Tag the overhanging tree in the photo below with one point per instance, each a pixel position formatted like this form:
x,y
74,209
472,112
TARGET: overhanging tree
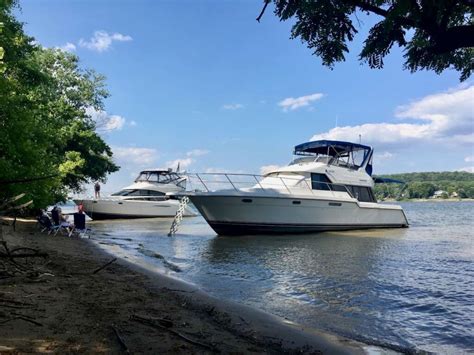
x,y
435,34
48,143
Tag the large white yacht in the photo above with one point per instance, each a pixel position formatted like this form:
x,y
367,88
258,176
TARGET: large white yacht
x,y
145,198
329,186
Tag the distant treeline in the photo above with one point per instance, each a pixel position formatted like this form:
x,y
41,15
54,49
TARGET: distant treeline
x,y
457,184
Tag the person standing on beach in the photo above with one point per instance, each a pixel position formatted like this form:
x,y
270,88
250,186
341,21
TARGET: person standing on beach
x,y
97,190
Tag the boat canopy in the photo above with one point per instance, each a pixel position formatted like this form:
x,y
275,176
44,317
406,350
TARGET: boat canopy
x,y
331,148
157,170
346,154
382,180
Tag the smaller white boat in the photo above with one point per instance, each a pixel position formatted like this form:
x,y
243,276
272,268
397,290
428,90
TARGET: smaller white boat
x,y
145,198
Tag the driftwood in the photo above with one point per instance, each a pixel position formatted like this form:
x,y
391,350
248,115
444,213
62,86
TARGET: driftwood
x,y
104,266
6,300
120,340
162,321
8,205
176,290
23,318
24,255
19,260
151,322
11,200
11,306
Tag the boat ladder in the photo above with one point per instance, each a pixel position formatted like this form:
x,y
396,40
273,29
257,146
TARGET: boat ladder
x,y
183,203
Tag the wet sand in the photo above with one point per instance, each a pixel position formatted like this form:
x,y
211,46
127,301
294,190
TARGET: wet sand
x,y
62,306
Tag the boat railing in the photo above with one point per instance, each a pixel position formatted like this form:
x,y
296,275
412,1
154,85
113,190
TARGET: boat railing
x,y
209,182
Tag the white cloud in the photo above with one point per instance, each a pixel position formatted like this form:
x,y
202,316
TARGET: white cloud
x,y
232,106
197,152
114,122
102,41
445,118
376,133
469,159
268,168
133,123
183,163
104,121
468,169
68,47
292,103
190,158
448,113
380,158
135,157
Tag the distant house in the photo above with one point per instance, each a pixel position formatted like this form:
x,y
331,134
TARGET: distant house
x,y
439,194
454,195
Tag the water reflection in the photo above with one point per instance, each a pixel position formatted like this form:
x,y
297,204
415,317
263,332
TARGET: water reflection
x,y
409,287
326,272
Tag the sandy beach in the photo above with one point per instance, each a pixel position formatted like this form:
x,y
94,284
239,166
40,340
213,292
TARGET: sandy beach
x,y
61,305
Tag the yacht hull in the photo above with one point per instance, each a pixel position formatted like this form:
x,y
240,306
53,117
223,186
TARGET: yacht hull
x,y
239,215
128,209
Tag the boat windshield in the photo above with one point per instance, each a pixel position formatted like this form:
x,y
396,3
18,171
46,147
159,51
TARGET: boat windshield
x,y
311,159
162,177
351,160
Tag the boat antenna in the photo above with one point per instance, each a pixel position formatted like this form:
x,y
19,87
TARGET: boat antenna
x,y
177,168
360,138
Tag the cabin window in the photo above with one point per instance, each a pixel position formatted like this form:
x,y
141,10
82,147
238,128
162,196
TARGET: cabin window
x,y
362,193
340,188
163,198
319,182
138,193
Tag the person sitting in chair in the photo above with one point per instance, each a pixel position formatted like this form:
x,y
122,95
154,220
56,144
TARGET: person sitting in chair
x,y
79,227
59,220
55,216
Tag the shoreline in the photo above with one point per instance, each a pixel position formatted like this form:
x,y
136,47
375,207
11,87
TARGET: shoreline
x,y
430,200
78,311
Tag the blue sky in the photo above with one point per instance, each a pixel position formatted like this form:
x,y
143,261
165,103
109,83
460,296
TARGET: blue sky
x,y
202,82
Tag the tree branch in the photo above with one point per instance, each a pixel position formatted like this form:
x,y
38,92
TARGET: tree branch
x,y
371,8
21,181
469,3
382,12
453,38
263,10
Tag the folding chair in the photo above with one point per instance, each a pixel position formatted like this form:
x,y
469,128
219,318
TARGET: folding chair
x,y
47,225
80,228
57,224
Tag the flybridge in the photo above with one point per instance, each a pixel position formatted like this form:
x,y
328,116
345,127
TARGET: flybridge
x,y
346,154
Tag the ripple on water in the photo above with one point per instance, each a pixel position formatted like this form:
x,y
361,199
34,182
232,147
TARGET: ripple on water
x,y
409,288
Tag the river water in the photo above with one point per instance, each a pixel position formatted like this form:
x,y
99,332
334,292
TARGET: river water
x,y
410,289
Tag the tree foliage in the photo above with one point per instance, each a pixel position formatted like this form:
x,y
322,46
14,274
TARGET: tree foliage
x,y
435,34
44,128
